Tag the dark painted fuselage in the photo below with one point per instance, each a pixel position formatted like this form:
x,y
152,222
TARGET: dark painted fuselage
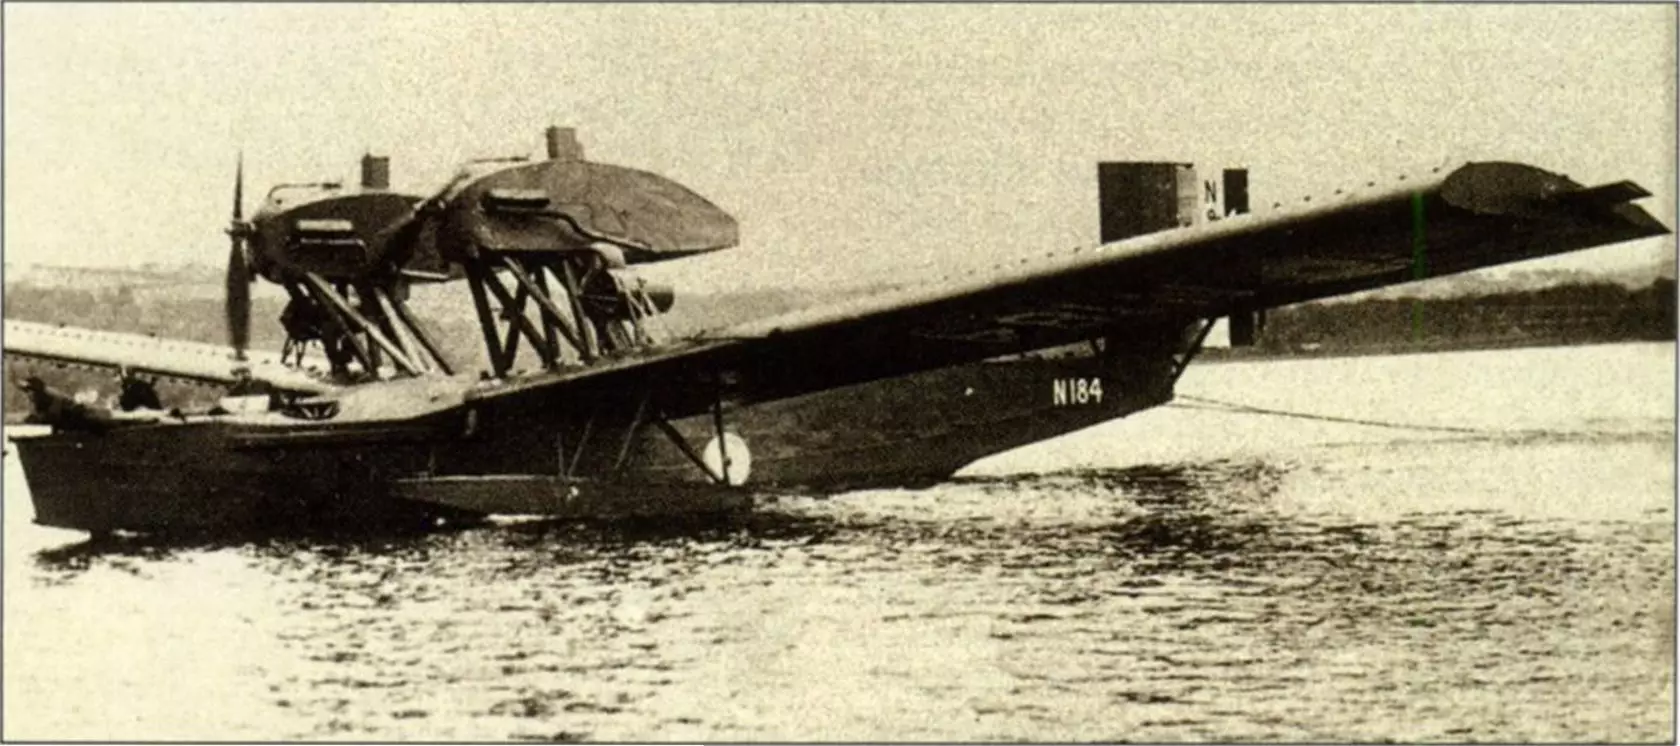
x,y
568,457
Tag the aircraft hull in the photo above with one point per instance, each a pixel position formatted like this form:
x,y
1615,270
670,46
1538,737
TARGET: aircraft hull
x,y
918,429
194,478
224,476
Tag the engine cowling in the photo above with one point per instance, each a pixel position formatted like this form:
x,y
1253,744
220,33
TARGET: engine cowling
x,y
317,228
561,205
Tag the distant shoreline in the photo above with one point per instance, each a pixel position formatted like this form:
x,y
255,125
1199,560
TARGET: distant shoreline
x,y
1585,311
1221,355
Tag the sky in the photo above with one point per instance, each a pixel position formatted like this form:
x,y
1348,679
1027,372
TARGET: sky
x,y
851,141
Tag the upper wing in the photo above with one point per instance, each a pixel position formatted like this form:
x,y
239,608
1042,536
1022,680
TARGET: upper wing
x,y
142,354
1477,215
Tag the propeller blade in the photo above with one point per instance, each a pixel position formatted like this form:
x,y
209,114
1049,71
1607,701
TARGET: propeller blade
x,y
237,301
239,188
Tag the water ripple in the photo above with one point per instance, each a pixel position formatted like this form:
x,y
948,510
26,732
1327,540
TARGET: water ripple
x,y
1193,601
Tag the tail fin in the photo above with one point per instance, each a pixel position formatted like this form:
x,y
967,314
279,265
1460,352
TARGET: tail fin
x,y
1135,198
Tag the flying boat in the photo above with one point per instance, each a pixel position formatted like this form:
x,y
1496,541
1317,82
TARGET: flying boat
x,y
578,406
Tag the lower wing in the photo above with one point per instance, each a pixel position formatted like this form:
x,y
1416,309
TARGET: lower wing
x,y
139,354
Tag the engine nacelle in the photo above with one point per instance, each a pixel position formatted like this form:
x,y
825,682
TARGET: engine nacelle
x,y
567,204
324,229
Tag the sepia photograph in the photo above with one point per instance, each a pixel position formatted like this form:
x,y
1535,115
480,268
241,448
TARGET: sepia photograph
x,y
391,372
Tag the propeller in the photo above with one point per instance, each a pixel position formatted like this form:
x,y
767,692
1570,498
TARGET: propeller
x,y
237,302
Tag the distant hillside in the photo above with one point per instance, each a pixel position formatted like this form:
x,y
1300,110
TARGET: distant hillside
x,y
197,314
1580,313
1485,282
93,278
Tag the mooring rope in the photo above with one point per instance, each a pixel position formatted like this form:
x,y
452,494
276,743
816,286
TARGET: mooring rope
x,y
1185,401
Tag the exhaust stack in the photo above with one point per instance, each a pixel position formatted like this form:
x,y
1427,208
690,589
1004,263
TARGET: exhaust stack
x,y
376,171
563,144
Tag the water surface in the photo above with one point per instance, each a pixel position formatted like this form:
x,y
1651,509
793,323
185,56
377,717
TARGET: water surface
x,y
1504,570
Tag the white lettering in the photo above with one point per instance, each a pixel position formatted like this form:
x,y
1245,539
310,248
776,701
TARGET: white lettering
x,y
1068,391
